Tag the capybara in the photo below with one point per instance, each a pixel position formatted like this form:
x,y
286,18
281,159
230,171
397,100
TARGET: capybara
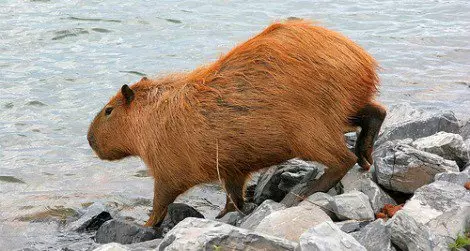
x,y
291,91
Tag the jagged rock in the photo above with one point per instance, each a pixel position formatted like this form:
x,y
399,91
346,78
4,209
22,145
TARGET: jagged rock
x,y
321,200
327,236
145,246
231,218
124,233
351,138
352,206
202,234
112,247
377,197
432,218
277,181
291,222
176,213
93,217
375,236
465,130
400,167
263,210
353,178
349,226
404,121
459,178
447,145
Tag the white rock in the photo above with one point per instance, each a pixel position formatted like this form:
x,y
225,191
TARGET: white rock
x,y
353,178
112,247
321,200
327,236
353,205
349,226
266,208
203,234
377,197
374,236
291,222
459,178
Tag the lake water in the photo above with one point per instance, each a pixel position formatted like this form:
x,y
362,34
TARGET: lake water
x,y
60,61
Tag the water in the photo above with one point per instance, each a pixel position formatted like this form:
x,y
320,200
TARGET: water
x,y
60,61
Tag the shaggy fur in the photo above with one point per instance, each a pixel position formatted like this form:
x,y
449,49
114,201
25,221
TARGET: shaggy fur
x,y
290,91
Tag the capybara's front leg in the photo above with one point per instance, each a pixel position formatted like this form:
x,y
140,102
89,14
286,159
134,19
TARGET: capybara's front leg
x,y
163,195
234,188
370,120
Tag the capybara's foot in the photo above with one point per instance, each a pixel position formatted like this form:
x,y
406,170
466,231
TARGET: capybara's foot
x,y
364,155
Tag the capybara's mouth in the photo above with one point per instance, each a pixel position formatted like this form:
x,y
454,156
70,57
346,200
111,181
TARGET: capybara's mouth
x,y
91,141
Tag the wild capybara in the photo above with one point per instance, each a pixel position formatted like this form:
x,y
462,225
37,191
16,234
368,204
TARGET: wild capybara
x,y
290,91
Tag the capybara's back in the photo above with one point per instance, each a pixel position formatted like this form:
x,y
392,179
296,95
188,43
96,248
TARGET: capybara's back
x,y
291,91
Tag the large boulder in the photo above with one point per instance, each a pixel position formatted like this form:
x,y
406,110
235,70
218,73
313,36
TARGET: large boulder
x,y
432,218
176,213
352,206
353,179
124,233
459,178
400,167
91,219
374,236
278,180
202,234
266,208
291,222
447,145
327,236
321,200
377,197
404,121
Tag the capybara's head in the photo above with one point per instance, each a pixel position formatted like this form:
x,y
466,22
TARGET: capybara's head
x,y
111,134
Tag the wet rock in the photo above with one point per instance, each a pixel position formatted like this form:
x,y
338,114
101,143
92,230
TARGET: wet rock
x,y
459,178
321,200
124,233
375,236
291,222
404,121
263,210
327,236
447,145
203,234
112,247
432,218
277,181
377,197
400,167
176,213
349,226
352,206
92,218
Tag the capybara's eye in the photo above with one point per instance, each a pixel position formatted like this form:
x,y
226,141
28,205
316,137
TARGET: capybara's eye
x,y
108,111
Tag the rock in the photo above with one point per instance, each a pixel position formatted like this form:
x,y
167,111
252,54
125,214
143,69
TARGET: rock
x,y
377,197
432,218
351,138
353,178
263,210
231,218
124,233
111,247
459,178
375,236
465,130
203,234
321,200
349,226
145,246
327,236
404,121
94,223
447,145
277,181
352,206
291,222
400,167
92,218
176,213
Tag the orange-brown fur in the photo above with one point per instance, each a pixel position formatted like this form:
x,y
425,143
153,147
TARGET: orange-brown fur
x,y
287,92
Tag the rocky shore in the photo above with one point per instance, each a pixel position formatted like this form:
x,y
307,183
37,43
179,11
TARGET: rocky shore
x,y
415,197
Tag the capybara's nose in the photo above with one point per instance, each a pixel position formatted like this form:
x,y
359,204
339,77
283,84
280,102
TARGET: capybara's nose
x,y
91,140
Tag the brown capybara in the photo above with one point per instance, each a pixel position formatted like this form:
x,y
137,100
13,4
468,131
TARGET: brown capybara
x,y
290,91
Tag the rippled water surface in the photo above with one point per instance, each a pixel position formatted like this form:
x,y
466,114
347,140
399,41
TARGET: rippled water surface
x,y
60,61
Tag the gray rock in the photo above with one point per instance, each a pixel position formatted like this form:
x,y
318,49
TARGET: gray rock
x,y
353,179
144,246
352,206
124,233
327,236
176,213
377,197
291,222
277,181
465,130
321,200
400,167
202,234
266,208
432,218
349,226
374,236
404,121
447,145
231,218
112,247
453,177
89,218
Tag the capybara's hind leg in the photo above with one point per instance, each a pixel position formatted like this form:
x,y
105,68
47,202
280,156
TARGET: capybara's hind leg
x,y
163,195
370,120
234,188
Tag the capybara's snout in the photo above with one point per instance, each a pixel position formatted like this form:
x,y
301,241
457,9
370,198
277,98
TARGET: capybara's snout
x,y
91,140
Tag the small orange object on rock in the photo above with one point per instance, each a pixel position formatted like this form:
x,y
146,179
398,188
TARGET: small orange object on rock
x,y
467,185
388,211
381,216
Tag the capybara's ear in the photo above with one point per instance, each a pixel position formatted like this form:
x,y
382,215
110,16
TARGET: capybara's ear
x,y
127,93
